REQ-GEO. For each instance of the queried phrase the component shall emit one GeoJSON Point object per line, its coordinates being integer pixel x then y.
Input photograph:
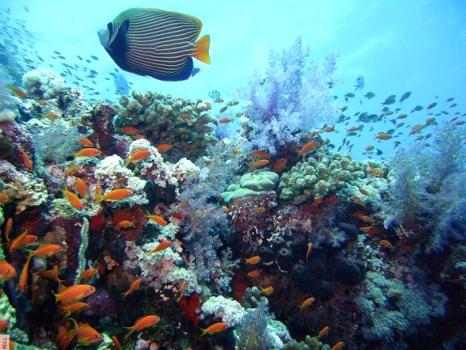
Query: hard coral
{"type": "Point", "coordinates": [165, 119]}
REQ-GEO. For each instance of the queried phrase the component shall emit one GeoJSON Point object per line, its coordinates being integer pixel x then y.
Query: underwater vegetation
{"type": "Point", "coordinates": [158, 222]}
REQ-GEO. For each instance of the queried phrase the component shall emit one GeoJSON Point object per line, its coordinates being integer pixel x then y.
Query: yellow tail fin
{"type": "Point", "coordinates": [202, 49]}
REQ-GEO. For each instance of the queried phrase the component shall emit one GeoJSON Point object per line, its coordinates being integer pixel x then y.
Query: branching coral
{"type": "Point", "coordinates": [293, 96]}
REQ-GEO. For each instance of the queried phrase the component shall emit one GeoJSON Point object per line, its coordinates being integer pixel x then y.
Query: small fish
{"type": "Point", "coordinates": [258, 153]}
{"type": "Point", "coordinates": [432, 105]}
{"type": "Point", "coordinates": [183, 287]}
{"type": "Point", "coordinates": [88, 152]}
{"type": "Point", "coordinates": [158, 219]}
{"type": "Point", "coordinates": [125, 224]}
{"type": "Point", "coordinates": [369, 95]}
{"type": "Point", "coordinates": [164, 147]}
{"type": "Point", "coordinates": [51, 115]}
{"type": "Point", "coordinates": [166, 243]}
{"type": "Point", "coordinates": [364, 192]}
{"type": "Point", "coordinates": [53, 274]}
{"type": "Point", "coordinates": [214, 94]}
{"type": "Point", "coordinates": [86, 274]}
{"type": "Point", "coordinates": [224, 120]}
{"type": "Point", "coordinates": [4, 197]}
{"type": "Point", "coordinates": [73, 308]}
{"type": "Point", "coordinates": [253, 260]}
{"type": "Point", "coordinates": [416, 129]}
{"type": "Point", "coordinates": [23, 278]}
{"type": "Point", "coordinates": [18, 92]}
{"type": "Point", "coordinates": [405, 96]}
{"type": "Point", "coordinates": [116, 342]}
{"type": "Point", "coordinates": [402, 116]}
{"type": "Point", "coordinates": [138, 155]}
{"type": "Point", "coordinates": [385, 244]}
{"type": "Point", "coordinates": [223, 109]}
{"type": "Point", "coordinates": [260, 164]}
{"type": "Point", "coordinates": [73, 199]}
{"type": "Point", "coordinates": [115, 195]}
{"type": "Point", "coordinates": [389, 100]}
{"type": "Point", "coordinates": [129, 130]}
{"type": "Point", "coordinates": [254, 273]}
{"type": "Point", "coordinates": [48, 249]}
{"type": "Point", "coordinates": [370, 230]}
{"type": "Point", "coordinates": [417, 109]}
{"type": "Point", "coordinates": [338, 346]}
{"type": "Point", "coordinates": [279, 165]}
{"type": "Point", "coordinates": [143, 323]}
{"type": "Point", "coordinates": [4, 324]}
{"type": "Point", "coordinates": [307, 303]}
{"type": "Point", "coordinates": [81, 187]}
{"type": "Point", "coordinates": [308, 147]}
{"type": "Point", "coordinates": [383, 136]}
{"type": "Point", "coordinates": [324, 332]}
{"type": "Point", "coordinates": [134, 286]}
{"type": "Point", "coordinates": [268, 291]}
{"type": "Point", "coordinates": [359, 83]}
{"type": "Point", "coordinates": [348, 95]}
{"type": "Point", "coordinates": [26, 160]}
{"type": "Point", "coordinates": [214, 328]}
{"type": "Point", "coordinates": [74, 293]}
{"type": "Point", "coordinates": [86, 335]}
{"type": "Point", "coordinates": [7, 271]}
{"type": "Point", "coordinates": [308, 250]}
{"type": "Point", "coordinates": [86, 142]}
{"type": "Point", "coordinates": [64, 338]}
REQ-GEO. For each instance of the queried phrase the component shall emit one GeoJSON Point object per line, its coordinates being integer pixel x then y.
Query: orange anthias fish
{"type": "Point", "coordinates": [86, 274]}
{"type": "Point", "coordinates": [308, 147]}
{"type": "Point", "coordinates": [81, 187]}
{"type": "Point", "coordinates": [324, 332]}
{"type": "Point", "coordinates": [116, 342]}
{"type": "Point", "coordinates": [306, 303]}
{"type": "Point", "coordinates": [258, 153]}
{"type": "Point", "coordinates": [134, 286]}
{"type": "Point", "coordinates": [267, 291]}
{"type": "Point", "coordinates": [88, 152]}
{"type": "Point", "coordinates": [224, 120]}
{"type": "Point", "coordinates": [129, 130]}
{"type": "Point", "coordinates": [4, 324]}
{"type": "Point", "coordinates": [253, 260]}
{"type": "Point", "coordinates": [370, 230]}
{"type": "Point", "coordinates": [138, 156]}
{"type": "Point", "coordinates": [116, 195]}
{"type": "Point", "coordinates": [254, 273]}
{"type": "Point", "coordinates": [143, 323]}
{"type": "Point", "coordinates": [7, 271]}
{"type": "Point", "coordinates": [8, 228]}
{"type": "Point", "coordinates": [338, 346]}
{"type": "Point", "coordinates": [383, 136]}
{"type": "Point", "coordinates": [63, 338]}
{"type": "Point", "coordinates": [73, 308]}
{"type": "Point", "coordinates": [161, 246]}
{"type": "Point", "coordinates": [86, 142]}
{"type": "Point", "coordinates": [125, 224]}
{"type": "Point", "coordinates": [260, 164]}
{"type": "Point", "coordinates": [86, 335]}
{"type": "Point", "coordinates": [26, 160]}
{"type": "Point", "coordinates": [73, 199]}
{"type": "Point", "coordinates": [17, 242]}
{"type": "Point", "coordinates": [158, 219]}
{"type": "Point", "coordinates": [386, 244]}
{"type": "Point", "coordinates": [74, 293]}
{"type": "Point", "coordinates": [215, 328]}
{"type": "Point", "coordinates": [4, 197]}
{"type": "Point", "coordinates": [23, 277]}
{"type": "Point", "coordinates": [279, 165]}
{"type": "Point", "coordinates": [364, 192]}
{"type": "Point", "coordinates": [47, 250]}
{"type": "Point", "coordinates": [18, 92]}
{"type": "Point", "coordinates": [53, 274]}
{"type": "Point", "coordinates": [164, 147]}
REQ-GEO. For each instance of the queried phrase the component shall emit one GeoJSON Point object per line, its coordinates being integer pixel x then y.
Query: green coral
{"type": "Point", "coordinates": [257, 183]}
{"type": "Point", "coordinates": [320, 175]}
{"type": "Point", "coordinates": [182, 123]}
{"type": "Point", "coordinates": [309, 343]}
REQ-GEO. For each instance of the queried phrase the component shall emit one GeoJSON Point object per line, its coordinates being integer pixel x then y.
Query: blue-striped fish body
{"type": "Point", "coordinates": [156, 43]}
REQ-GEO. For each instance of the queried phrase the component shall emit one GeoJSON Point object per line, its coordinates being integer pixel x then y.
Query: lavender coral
{"type": "Point", "coordinates": [292, 96]}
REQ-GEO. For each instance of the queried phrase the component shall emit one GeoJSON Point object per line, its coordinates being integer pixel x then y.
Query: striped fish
{"type": "Point", "coordinates": [156, 43]}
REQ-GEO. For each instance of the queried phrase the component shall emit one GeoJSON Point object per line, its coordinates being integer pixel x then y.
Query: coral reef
{"type": "Point", "coordinates": [258, 183]}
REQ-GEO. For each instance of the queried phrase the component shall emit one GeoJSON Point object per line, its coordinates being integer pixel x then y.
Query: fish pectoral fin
{"type": "Point", "coordinates": [202, 49]}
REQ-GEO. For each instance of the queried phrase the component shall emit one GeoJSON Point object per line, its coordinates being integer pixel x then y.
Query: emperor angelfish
{"type": "Point", "coordinates": [156, 43]}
